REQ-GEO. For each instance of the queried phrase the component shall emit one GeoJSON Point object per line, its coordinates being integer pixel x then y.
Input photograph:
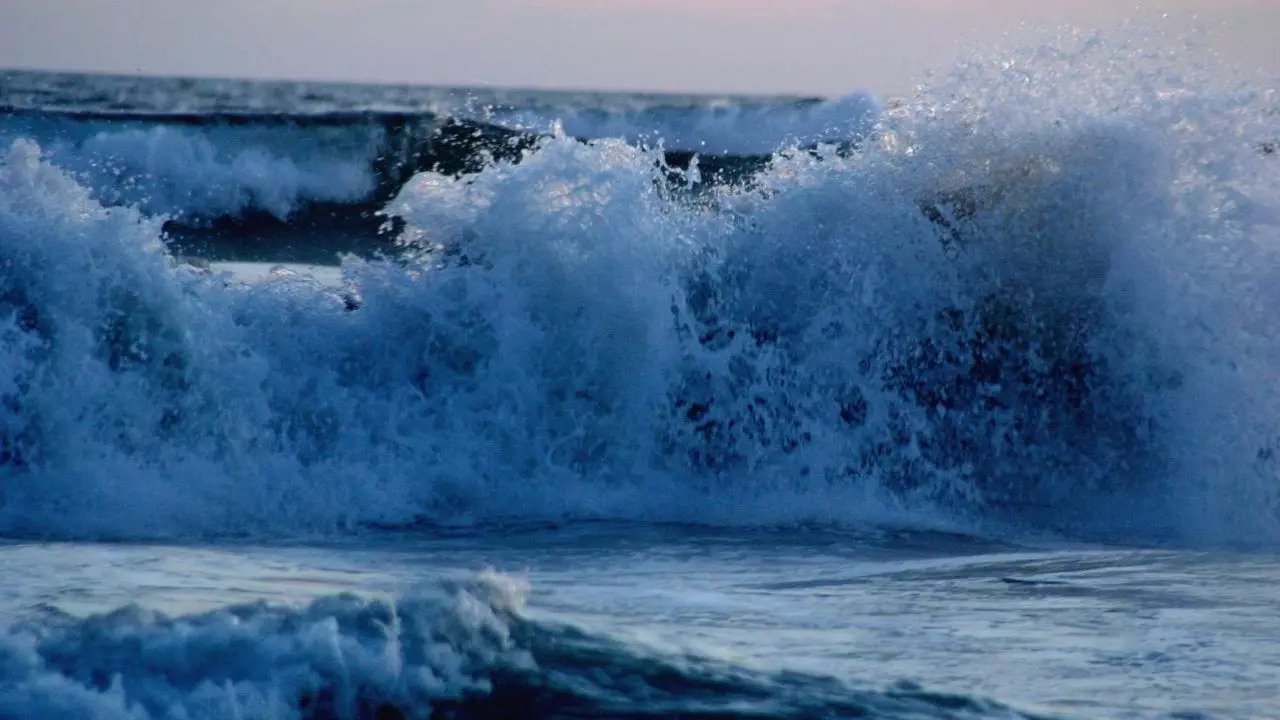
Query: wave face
{"type": "Point", "coordinates": [459, 650]}
{"type": "Point", "coordinates": [203, 152]}
{"type": "Point", "coordinates": [1039, 298]}
{"type": "Point", "coordinates": [189, 172]}
{"type": "Point", "coordinates": [207, 170]}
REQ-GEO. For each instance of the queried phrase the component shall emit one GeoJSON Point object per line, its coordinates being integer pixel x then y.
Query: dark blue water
{"type": "Point", "coordinates": [587, 405]}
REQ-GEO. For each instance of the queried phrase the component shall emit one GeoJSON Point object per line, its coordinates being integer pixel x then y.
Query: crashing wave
{"type": "Point", "coordinates": [458, 650]}
{"type": "Point", "coordinates": [282, 187]}
{"type": "Point", "coordinates": [1047, 317]}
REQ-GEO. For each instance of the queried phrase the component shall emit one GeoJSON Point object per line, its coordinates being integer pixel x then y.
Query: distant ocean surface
{"type": "Point", "coordinates": [367, 402]}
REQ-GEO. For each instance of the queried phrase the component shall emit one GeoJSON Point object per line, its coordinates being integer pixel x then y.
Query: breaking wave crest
{"type": "Point", "coordinates": [197, 168]}
{"type": "Point", "coordinates": [192, 171]}
{"type": "Point", "coordinates": [1038, 295]}
{"type": "Point", "coordinates": [457, 650]}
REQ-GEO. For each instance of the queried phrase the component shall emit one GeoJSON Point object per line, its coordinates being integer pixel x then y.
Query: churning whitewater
{"type": "Point", "coordinates": [1037, 295]}
{"type": "Point", "coordinates": [759, 407]}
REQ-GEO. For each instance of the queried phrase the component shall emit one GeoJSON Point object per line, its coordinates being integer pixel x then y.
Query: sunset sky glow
{"type": "Point", "coordinates": [802, 46]}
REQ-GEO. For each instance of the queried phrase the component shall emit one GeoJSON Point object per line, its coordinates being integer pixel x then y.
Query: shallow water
{"type": "Point", "coordinates": [1049, 629]}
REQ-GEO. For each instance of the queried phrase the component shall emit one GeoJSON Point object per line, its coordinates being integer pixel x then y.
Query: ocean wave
{"type": "Point", "coordinates": [728, 129]}
{"type": "Point", "coordinates": [236, 172]}
{"type": "Point", "coordinates": [167, 165]}
{"type": "Point", "coordinates": [459, 650]}
{"type": "Point", "coordinates": [1047, 307]}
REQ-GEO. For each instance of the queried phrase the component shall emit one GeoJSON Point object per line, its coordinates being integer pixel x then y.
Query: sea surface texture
{"type": "Point", "coordinates": [339, 402]}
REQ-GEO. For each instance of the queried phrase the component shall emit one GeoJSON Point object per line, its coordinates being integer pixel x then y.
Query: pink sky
{"type": "Point", "coordinates": [804, 46]}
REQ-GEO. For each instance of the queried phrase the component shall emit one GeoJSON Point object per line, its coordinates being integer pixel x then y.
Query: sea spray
{"type": "Point", "coordinates": [1034, 295]}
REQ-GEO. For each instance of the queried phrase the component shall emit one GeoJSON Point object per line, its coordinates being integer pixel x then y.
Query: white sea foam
{"type": "Point", "coordinates": [194, 173]}
{"type": "Point", "coordinates": [1081, 336]}
{"type": "Point", "coordinates": [339, 657]}
{"type": "Point", "coordinates": [462, 650]}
